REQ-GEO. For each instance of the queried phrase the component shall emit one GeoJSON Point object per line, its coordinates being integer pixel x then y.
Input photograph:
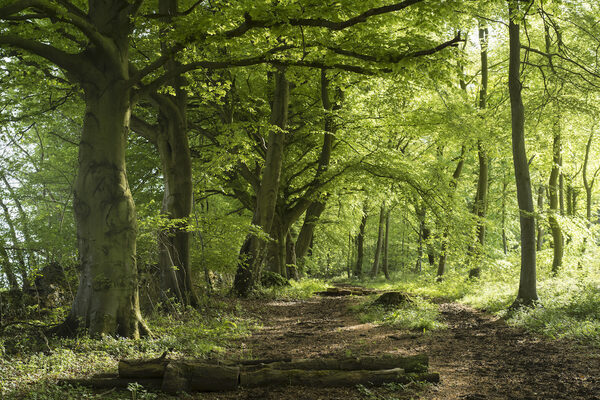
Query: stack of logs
{"type": "Point", "coordinates": [173, 376]}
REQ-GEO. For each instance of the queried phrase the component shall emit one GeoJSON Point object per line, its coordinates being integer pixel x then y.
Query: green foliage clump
{"type": "Point", "coordinates": [418, 314]}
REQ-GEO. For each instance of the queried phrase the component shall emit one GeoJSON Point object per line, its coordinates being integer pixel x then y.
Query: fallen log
{"type": "Point", "coordinates": [418, 363]}
{"type": "Point", "coordinates": [184, 376]}
{"type": "Point", "coordinates": [320, 378]}
{"type": "Point", "coordinates": [156, 368]}
{"type": "Point", "coordinates": [174, 376]}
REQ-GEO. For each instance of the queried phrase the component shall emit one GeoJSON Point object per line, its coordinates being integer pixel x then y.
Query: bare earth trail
{"type": "Point", "coordinates": [478, 356]}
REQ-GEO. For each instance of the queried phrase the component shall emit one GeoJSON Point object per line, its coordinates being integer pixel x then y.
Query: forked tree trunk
{"type": "Point", "coordinates": [527, 283]}
{"type": "Point", "coordinates": [252, 251]}
{"type": "Point", "coordinates": [316, 208]}
{"type": "Point", "coordinates": [380, 238]}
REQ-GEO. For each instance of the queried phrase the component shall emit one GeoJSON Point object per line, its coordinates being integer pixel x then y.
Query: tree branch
{"type": "Point", "coordinates": [72, 63]}
{"type": "Point", "coordinates": [249, 23]}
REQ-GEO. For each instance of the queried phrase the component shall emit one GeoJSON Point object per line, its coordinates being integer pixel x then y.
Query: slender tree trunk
{"type": "Point", "coordinates": [252, 251]}
{"type": "Point", "coordinates": [587, 183]}
{"type": "Point", "coordinates": [360, 242]}
{"type": "Point", "coordinates": [527, 284]}
{"type": "Point", "coordinates": [6, 267]}
{"type": "Point", "coordinates": [557, 235]}
{"type": "Point", "coordinates": [503, 214]}
{"type": "Point", "coordinates": [420, 211]}
{"type": "Point", "coordinates": [444, 246]}
{"type": "Point", "coordinates": [540, 228]}
{"type": "Point", "coordinates": [380, 238]}
{"type": "Point", "coordinates": [24, 223]}
{"type": "Point", "coordinates": [483, 178]}
{"type": "Point", "coordinates": [18, 246]}
{"type": "Point", "coordinates": [428, 243]}
{"type": "Point", "coordinates": [386, 245]}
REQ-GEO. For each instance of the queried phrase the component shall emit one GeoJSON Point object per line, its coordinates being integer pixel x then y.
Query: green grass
{"type": "Point", "coordinates": [419, 314]}
{"type": "Point", "coordinates": [296, 291]}
{"type": "Point", "coordinates": [30, 364]}
{"type": "Point", "coordinates": [568, 306]}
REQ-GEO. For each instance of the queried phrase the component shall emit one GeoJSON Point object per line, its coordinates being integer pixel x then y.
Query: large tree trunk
{"type": "Point", "coordinates": [107, 298]}
{"type": "Point", "coordinates": [527, 284]}
{"type": "Point", "coordinates": [251, 254]}
{"type": "Point", "coordinates": [379, 247]}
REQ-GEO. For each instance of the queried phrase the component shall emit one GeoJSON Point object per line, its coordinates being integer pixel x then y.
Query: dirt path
{"type": "Point", "coordinates": [478, 356]}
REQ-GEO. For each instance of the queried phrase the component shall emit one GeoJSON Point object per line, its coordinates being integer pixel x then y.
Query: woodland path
{"type": "Point", "coordinates": [478, 356]}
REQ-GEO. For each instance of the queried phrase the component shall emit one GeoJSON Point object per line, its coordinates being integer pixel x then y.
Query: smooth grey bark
{"type": "Point", "coordinates": [380, 239]}
{"type": "Point", "coordinates": [252, 251]}
{"type": "Point", "coordinates": [527, 284]}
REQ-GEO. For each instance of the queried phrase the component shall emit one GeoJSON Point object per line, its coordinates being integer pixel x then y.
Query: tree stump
{"type": "Point", "coordinates": [393, 299]}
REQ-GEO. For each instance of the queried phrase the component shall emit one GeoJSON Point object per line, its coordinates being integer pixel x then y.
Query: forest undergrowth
{"type": "Point", "coordinates": [31, 362]}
